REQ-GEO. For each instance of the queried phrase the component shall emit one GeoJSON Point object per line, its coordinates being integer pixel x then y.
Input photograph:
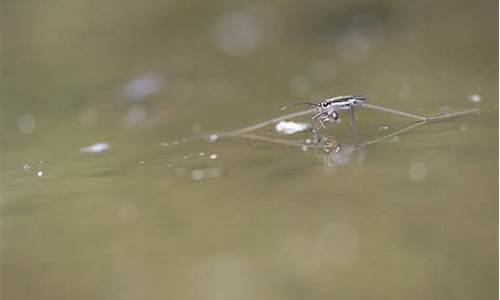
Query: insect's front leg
{"type": "Point", "coordinates": [320, 119]}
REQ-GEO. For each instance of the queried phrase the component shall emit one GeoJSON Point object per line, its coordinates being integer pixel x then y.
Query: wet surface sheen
{"type": "Point", "coordinates": [99, 201]}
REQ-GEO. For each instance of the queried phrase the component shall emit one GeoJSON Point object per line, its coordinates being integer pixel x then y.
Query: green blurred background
{"type": "Point", "coordinates": [413, 217]}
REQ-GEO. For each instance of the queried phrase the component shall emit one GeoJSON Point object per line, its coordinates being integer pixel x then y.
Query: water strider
{"type": "Point", "coordinates": [327, 110]}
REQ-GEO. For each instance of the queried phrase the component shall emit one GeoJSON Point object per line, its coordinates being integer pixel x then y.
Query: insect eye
{"type": "Point", "coordinates": [324, 104]}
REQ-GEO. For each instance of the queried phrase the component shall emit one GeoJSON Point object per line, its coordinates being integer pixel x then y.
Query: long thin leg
{"type": "Point", "coordinates": [353, 125]}
{"type": "Point", "coordinates": [308, 111]}
{"type": "Point", "coordinates": [400, 131]}
{"type": "Point", "coordinates": [265, 123]}
{"type": "Point", "coordinates": [393, 111]}
{"type": "Point", "coordinates": [353, 118]}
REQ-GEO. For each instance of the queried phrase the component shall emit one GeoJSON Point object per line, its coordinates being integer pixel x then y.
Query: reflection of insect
{"type": "Point", "coordinates": [326, 110]}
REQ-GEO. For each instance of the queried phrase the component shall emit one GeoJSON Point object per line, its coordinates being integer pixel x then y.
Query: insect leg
{"type": "Point", "coordinates": [353, 118]}
{"type": "Point", "coordinates": [353, 123]}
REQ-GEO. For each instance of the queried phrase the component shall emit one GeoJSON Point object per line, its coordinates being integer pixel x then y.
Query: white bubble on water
{"type": "Point", "coordinates": [418, 172]}
{"type": "Point", "coordinates": [213, 156]}
{"type": "Point", "coordinates": [382, 128]}
{"type": "Point", "coordinates": [95, 148]}
{"type": "Point", "coordinates": [26, 123]}
{"type": "Point", "coordinates": [286, 127]}
{"type": "Point", "coordinates": [213, 137]}
{"type": "Point", "coordinates": [475, 98]}
{"type": "Point", "coordinates": [39, 173]}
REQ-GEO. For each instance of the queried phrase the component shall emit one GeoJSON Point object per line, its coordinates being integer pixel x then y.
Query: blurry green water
{"type": "Point", "coordinates": [412, 217]}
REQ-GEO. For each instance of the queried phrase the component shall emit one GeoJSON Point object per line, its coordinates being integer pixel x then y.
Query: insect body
{"type": "Point", "coordinates": [326, 110]}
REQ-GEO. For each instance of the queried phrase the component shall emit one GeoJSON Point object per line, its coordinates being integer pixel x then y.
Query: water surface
{"type": "Point", "coordinates": [140, 217]}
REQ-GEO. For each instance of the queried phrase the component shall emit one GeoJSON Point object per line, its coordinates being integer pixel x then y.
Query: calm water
{"type": "Point", "coordinates": [98, 202]}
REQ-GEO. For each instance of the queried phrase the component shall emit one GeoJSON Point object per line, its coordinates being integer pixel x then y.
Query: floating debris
{"type": "Point", "coordinates": [26, 167]}
{"type": "Point", "coordinates": [291, 127]}
{"type": "Point", "coordinates": [95, 148]}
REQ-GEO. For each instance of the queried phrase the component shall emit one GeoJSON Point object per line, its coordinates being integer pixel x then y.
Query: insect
{"type": "Point", "coordinates": [327, 110]}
